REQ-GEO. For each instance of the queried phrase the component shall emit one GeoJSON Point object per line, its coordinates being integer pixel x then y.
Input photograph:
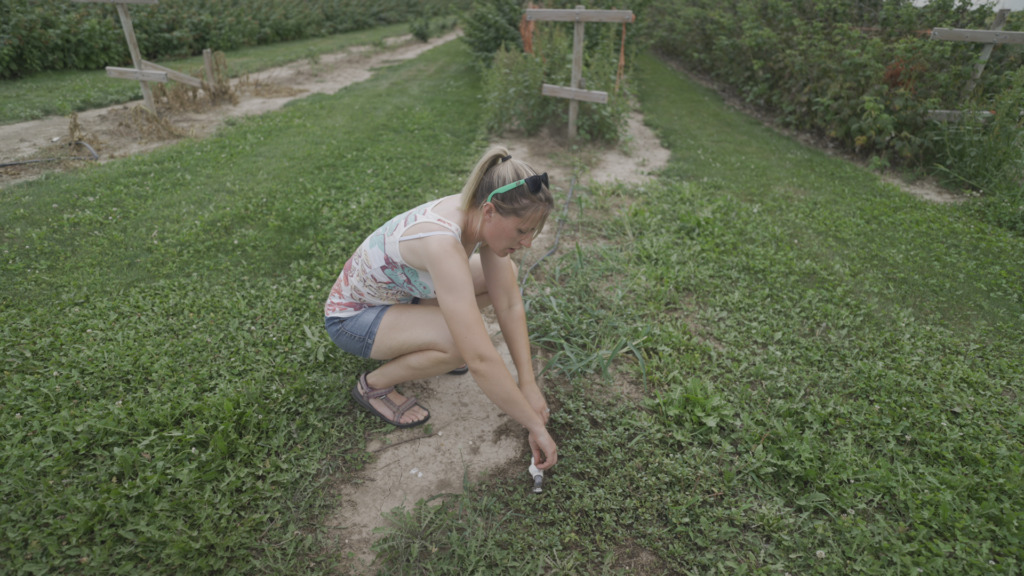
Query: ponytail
{"type": "Point", "coordinates": [498, 168]}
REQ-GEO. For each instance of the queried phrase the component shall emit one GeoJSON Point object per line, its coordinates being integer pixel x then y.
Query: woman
{"type": "Point", "coordinates": [412, 293]}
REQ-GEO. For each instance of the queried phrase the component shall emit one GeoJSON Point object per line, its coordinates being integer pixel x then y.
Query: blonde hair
{"type": "Point", "coordinates": [497, 168]}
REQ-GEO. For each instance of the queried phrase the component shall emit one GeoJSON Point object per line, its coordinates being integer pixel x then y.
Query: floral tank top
{"type": "Point", "coordinates": [376, 274]}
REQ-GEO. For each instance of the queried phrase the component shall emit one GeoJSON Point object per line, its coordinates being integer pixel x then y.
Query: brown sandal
{"type": "Point", "coordinates": [362, 393]}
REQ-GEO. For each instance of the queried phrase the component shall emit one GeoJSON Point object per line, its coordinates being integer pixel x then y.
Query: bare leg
{"type": "Point", "coordinates": [418, 344]}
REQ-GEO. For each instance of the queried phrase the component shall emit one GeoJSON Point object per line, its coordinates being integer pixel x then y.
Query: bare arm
{"type": "Point", "coordinates": [503, 290]}
{"type": "Point", "coordinates": [446, 262]}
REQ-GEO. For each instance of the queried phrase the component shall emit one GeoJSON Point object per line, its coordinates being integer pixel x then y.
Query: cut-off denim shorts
{"type": "Point", "coordinates": [356, 334]}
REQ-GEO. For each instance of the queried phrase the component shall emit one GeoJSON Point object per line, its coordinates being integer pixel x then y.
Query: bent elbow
{"type": "Point", "coordinates": [485, 362]}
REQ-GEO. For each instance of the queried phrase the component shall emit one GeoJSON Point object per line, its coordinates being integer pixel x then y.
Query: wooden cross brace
{"type": "Point", "coordinates": [143, 71]}
{"type": "Point", "coordinates": [578, 16]}
{"type": "Point", "coordinates": [987, 37]}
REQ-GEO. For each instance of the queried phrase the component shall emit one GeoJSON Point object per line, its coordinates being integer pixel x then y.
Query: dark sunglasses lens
{"type": "Point", "coordinates": [535, 182]}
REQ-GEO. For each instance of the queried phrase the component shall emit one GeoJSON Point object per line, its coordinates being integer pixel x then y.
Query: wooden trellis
{"type": "Point", "coordinates": [579, 16]}
{"type": "Point", "coordinates": [143, 71]}
{"type": "Point", "coordinates": [989, 38]}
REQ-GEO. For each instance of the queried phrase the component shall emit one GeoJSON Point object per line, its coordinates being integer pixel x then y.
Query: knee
{"type": "Point", "coordinates": [453, 360]}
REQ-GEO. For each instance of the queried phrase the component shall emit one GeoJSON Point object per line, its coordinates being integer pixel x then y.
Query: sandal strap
{"type": "Point", "coordinates": [398, 411]}
{"type": "Point", "coordinates": [409, 403]}
{"type": "Point", "coordinates": [372, 393]}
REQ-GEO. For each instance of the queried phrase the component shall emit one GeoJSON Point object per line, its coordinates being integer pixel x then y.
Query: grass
{"type": "Point", "coordinates": [766, 362]}
{"type": "Point", "coordinates": [169, 398]}
{"type": "Point", "coordinates": [814, 373]}
{"type": "Point", "coordinates": [66, 91]}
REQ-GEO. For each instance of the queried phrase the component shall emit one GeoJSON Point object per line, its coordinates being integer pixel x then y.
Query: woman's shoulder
{"type": "Point", "coordinates": [449, 208]}
{"type": "Point", "coordinates": [440, 216]}
{"type": "Point", "coordinates": [443, 213]}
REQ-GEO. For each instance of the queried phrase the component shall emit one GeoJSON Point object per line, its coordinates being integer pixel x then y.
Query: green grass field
{"type": "Point", "coordinates": [825, 376]}
{"type": "Point", "coordinates": [169, 396]}
{"type": "Point", "coordinates": [766, 362]}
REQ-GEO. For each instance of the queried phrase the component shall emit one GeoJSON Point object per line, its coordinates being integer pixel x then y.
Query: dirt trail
{"type": "Point", "coordinates": [469, 436]}
{"type": "Point", "coordinates": [117, 131]}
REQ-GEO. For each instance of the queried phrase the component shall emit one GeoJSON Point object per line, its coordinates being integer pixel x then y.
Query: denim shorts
{"type": "Point", "coordinates": [356, 334]}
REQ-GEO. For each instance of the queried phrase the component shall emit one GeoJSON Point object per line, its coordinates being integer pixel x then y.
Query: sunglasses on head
{"type": "Point", "coordinates": [534, 183]}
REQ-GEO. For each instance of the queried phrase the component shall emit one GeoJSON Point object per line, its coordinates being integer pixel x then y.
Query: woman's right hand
{"type": "Point", "coordinates": [542, 444]}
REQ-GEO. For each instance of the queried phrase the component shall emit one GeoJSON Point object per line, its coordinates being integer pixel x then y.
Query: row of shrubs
{"type": "Point", "coordinates": [865, 75]}
{"type": "Point", "coordinates": [512, 76]}
{"type": "Point", "coordinates": [40, 35]}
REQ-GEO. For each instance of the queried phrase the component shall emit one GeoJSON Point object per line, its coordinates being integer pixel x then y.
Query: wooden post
{"type": "Point", "coordinates": [136, 74]}
{"type": "Point", "coordinates": [577, 72]}
{"type": "Point", "coordinates": [208, 66]}
{"type": "Point", "coordinates": [133, 47]}
{"type": "Point", "coordinates": [978, 36]}
{"type": "Point", "coordinates": [145, 72]}
{"type": "Point", "coordinates": [170, 74]}
{"type": "Point", "coordinates": [986, 53]}
{"type": "Point", "coordinates": [578, 16]}
{"type": "Point", "coordinates": [989, 38]}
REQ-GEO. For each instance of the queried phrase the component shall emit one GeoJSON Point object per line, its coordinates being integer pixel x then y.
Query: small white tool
{"type": "Point", "coordinates": [538, 477]}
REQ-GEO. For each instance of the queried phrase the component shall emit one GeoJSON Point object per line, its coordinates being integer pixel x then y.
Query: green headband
{"type": "Point", "coordinates": [533, 182]}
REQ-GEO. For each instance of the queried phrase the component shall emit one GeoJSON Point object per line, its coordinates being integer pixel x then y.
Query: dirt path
{"type": "Point", "coordinates": [119, 131]}
{"type": "Point", "coordinates": [468, 435]}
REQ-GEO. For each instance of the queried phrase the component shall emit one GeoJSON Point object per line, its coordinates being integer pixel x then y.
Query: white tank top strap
{"type": "Point", "coordinates": [432, 233]}
{"type": "Point", "coordinates": [427, 215]}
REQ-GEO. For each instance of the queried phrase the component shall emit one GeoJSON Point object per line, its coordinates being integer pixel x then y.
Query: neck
{"type": "Point", "coordinates": [471, 234]}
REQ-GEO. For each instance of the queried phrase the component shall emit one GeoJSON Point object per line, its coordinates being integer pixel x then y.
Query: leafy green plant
{"type": "Point", "coordinates": [690, 405]}
{"type": "Point", "coordinates": [44, 35]}
{"type": "Point", "coordinates": [489, 25]}
{"type": "Point", "coordinates": [864, 76]}
{"type": "Point", "coordinates": [984, 152]}
{"type": "Point", "coordinates": [512, 87]}
{"type": "Point", "coordinates": [420, 29]}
